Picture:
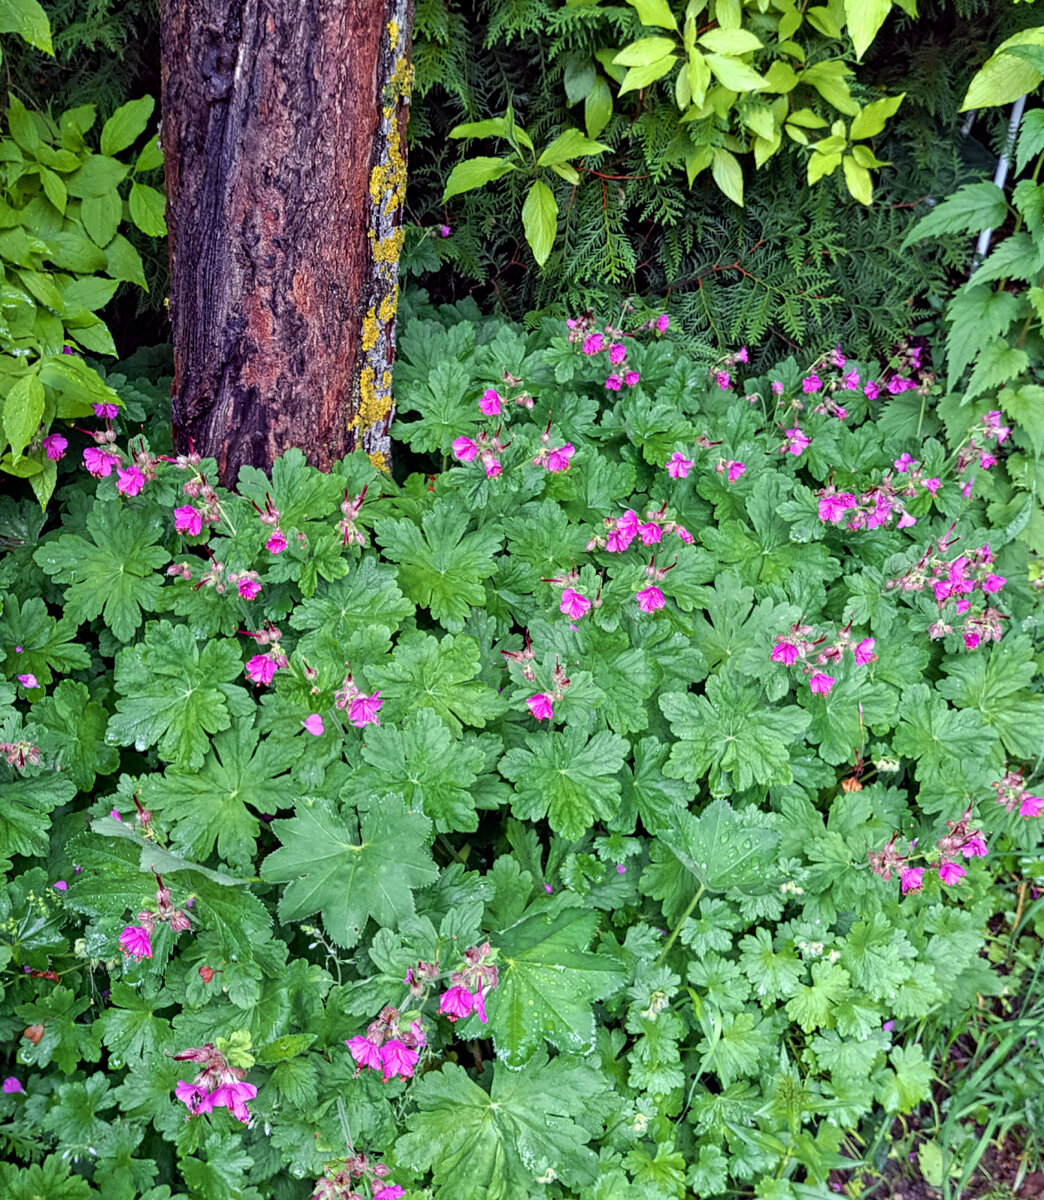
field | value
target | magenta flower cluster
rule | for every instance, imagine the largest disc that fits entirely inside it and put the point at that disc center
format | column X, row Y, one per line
column 800, row 646
column 218, row 1085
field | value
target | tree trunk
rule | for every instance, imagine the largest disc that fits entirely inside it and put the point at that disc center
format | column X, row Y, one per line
column 283, row 134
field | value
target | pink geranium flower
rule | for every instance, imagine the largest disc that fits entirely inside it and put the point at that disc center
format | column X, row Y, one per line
column 188, row 520
column 951, row 872
column 1031, row 806
column 541, row 707
column 12, row 1085
column 136, row 942
column 558, row 460
column 678, row 466
column 650, row 599
column 811, row 383
column 390, row 1191
column 975, row 847
column 464, row 449
column 457, row 1003
column 233, row 1096
column 276, row 544
column 260, row 669
column 492, row 466
column 364, row 710
column 28, row 681
column 364, row 1052
column 631, row 378
column 108, row 411
column 904, row 462
column 100, row 463
column 55, row 446
column 820, row 684
column 249, row 588
column 573, row 604
column 593, row 343
column 912, row 879
column 663, row 322
column 735, row 470
column 871, row 391
column 314, row 725
column 195, row 1098
column 797, row 442
column 722, row 380
column 864, row 652
column 650, row 533
column 784, row 652
column 398, row 1059
column 490, row 402
column 614, row 383
column 130, row 480
column 617, row 353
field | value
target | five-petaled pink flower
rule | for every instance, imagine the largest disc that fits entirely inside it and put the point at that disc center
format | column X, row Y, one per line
column 108, row 411
column 820, row 683
column 663, row 322
column 100, row 463
column 871, row 391
column 233, row 1096
column 650, row 599
column 951, row 872
column 904, row 462
column 490, row 402
column 650, row 533
column 617, row 353
column 734, row 470
column 864, row 652
column 541, row 707
column 975, row 847
column 261, row 669
column 11, row 1085
column 493, row 467
column 55, row 446
column 1031, row 806
column 464, row 449
column 314, row 725
column 28, row 681
column 558, row 460
column 993, row 583
column 130, row 480
column 784, row 652
column 276, row 544
column 188, row 520
column 456, row 1003
column 365, row 1053
column 811, row 383
column 249, row 588
column 797, row 442
column 912, row 879
column 390, row 1191
column 195, row 1098
column 398, row 1059
column 135, row 941
column 592, row 343
column 631, row 378
column 364, row 710
column 573, row 604
column 678, row 466
column 614, row 383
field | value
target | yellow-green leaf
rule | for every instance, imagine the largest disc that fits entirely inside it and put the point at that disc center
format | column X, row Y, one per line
column 474, row 173
column 829, row 78
column 728, row 175
column 645, row 51
column 870, row 120
column 824, row 21
column 858, row 180
column 730, row 41
column 654, row 12
column 806, row 118
column 639, row 77
column 822, row 164
column 697, row 160
column 23, row 410
column 1003, row 78
column 540, row 220
column 569, row 144
column 598, row 107
column 780, row 77
column 737, row 76
column 864, row 18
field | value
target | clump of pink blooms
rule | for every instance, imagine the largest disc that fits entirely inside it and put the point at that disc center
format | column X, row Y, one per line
column 800, row 646
column 361, row 709
column 136, row 940
column 476, row 975
column 596, row 341
column 952, row 582
column 961, row 841
column 262, row 667
column 484, row 447
column 622, row 531
column 391, row 1045
column 218, row 1085
column 1013, row 795
column 342, row 1178
column 879, row 505
column 542, row 704
column 990, row 434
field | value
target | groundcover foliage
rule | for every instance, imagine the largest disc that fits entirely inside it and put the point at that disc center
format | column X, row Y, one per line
column 613, row 812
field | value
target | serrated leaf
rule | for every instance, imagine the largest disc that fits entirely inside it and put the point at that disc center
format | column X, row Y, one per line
column 349, row 867
column 1003, row 78
column 721, row 848
column 972, row 208
column 76, row 741
column 34, row 642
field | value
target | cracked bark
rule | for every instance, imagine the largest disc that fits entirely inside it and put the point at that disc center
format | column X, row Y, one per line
column 283, row 124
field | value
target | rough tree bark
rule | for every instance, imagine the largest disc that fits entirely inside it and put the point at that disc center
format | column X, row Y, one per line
column 283, row 134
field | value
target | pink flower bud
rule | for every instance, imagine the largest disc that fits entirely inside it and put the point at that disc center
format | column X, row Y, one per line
column 28, row 681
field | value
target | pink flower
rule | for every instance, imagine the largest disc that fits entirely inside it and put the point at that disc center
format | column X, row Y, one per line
column 558, row 460
column 617, row 353
column 364, row 710
column 851, row 381
column 833, row 508
column 115, row 814
column 490, row 402
column 975, row 847
column 966, row 491
column 784, row 652
column 233, row 1096
column 464, row 449
column 11, row 1085
column 135, row 941
column 130, row 480
column 60, row 886
column 390, row 1191
column 993, row 583
column 314, row 725
column 108, row 411
column 951, row 872
column 480, row 1005
column 574, row 605
column 364, row 1052
column 55, row 446
column 722, row 379
column 811, row 383
column 678, row 466
column 541, row 707
column 650, row 599
column 493, row 467
column 398, row 1059
column 195, row 1098
column 592, row 343
column 864, row 652
column 663, row 322
column 631, row 378
column 912, row 879
column 28, row 681
column 735, row 470
column 972, row 639
column 933, row 485
column 650, row 533
column 249, row 588
column 871, row 391
column 276, row 544
column 896, row 385
column 905, row 521
column 618, row 541
column 684, row 534
column 821, row 684
column 260, row 669
column 99, row 462
column 777, row 387
column 741, row 355
column 904, row 462
column 986, row 461
column 188, row 520
column 457, row 1003
column 621, row 869
column 444, row 231
column 614, row 383
column 797, row 442
column 1031, row 806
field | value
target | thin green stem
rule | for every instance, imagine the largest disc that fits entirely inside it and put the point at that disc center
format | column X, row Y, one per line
column 684, row 917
